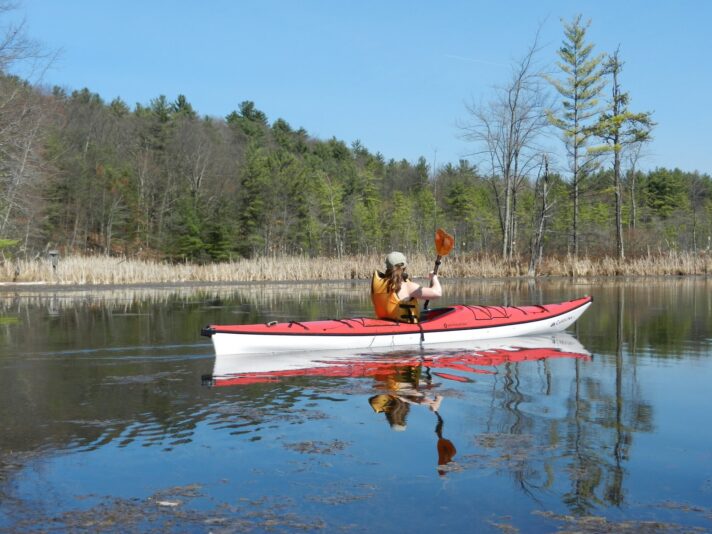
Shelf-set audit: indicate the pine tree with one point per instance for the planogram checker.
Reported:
(253, 220)
(583, 82)
(620, 128)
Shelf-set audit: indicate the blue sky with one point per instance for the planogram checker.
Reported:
(393, 74)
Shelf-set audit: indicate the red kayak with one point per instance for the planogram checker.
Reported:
(452, 324)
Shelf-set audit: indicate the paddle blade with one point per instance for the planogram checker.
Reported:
(446, 451)
(443, 242)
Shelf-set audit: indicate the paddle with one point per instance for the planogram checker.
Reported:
(443, 245)
(446, 449)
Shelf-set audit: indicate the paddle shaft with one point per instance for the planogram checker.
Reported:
(435, 271)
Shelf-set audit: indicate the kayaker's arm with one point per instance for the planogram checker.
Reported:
(432, 292)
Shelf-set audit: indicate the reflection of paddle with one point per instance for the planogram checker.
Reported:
(443, 245)
(446, 449)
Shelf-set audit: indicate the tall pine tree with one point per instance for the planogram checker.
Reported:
(581, 85)
(620, 128)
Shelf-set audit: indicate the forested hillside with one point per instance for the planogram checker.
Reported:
(160, 180)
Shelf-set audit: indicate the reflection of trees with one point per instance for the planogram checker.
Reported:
(79, 371)
(585, 450)
(306, 297)
(153, 403)
(605, 418)
(661, 325)
(668, 316)
(519, 424)
(585, 467)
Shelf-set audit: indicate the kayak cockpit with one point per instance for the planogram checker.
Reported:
(427, 316)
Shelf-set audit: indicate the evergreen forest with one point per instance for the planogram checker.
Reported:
(159, 180)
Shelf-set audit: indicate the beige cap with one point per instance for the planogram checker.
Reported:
(395, 258)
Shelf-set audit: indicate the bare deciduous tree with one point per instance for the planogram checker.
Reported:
(542, 213)
(22, 113)
(633, 156)
(506, 132)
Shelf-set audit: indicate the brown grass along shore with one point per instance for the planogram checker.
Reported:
(105, 270)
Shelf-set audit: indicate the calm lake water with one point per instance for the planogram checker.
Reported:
(112, 419)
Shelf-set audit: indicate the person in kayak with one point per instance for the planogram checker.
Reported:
(395, 296)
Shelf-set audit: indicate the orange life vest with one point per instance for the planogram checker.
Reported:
(388, 305)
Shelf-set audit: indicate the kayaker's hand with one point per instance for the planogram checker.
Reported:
(434, 405)
(434, 292)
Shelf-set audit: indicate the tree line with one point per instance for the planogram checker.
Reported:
(159, 180)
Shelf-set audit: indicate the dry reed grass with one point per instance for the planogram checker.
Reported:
(104, 270)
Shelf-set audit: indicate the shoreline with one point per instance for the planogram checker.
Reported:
(102, 271)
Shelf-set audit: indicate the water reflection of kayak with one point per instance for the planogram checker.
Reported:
(473, 357)
(451, 324)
